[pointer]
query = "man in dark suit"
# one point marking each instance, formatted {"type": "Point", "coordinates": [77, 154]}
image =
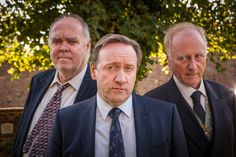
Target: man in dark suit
{"type": "Point", "coordinates": [69, 43]}
{"type": "Point", "coordinates": [115, 122]}
{"type": "Point", "coordinates": [209, 122]}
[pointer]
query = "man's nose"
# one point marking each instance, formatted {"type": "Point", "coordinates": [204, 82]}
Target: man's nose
{"type": "Point", "coordinates": [64, 47]}
{"type": "Point", "coordinates": [193, 64]}
{"type": "Point", "coordinates": [120, 77]}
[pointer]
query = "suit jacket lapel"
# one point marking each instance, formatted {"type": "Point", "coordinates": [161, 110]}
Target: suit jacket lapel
{"type": "Point", "coordinates": [87, 85]}
{"type": "Point", "coordinates": [218, 114]}
{"type": "Point", "coordinates": [87, 127]}
{"type": "Point", "coordinates": [141, 126]}
{"type": "Point", "coordinates": [41, 88]}
{"type": "Point", "coordinates": [41, 85]}
{"type": "Point", "coordinates": [191, 126]}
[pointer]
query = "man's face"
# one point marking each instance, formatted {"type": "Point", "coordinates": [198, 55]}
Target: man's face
{"type": "Point", "coordinates": [187, 58]}
{"type": "Point", "coordinates": [115, 72]}
{"type": "Point", "coordinates": [69, 49]}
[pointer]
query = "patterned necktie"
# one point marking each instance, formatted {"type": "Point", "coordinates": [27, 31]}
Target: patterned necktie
{"type": "Point", "coordinates": [197, 107]}
{"type": "Point", "coordinates": [116, 145]}
{"type": "Point", "coordinates": [38, 138]}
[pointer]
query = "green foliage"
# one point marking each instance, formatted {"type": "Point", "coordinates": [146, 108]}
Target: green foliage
{"type": "Point", "coordinates": [24, 27]}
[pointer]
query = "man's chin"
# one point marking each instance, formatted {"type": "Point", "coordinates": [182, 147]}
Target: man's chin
{"type": "Point", "coordinates": [64, 67]}
{"type": "Point", "coordinates": [118, 101]}
{"type": "Point", "coordinates": [193, 84]}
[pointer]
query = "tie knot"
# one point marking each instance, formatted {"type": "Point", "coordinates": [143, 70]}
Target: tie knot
{"type": "Point", "coordinates": [196, 96]}
{"type": "Point", "coordinates": [61, 87]}
{"type": "Point", "coordinates": [115, 112]}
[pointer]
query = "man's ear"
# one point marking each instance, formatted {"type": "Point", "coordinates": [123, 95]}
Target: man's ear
{"type": "Point", "coordinates": [88, 46]}
{"type": "Point", "coordinates": [93, 71]}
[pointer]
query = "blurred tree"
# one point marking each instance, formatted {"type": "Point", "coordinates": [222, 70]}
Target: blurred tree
{"type": "Point", "coordinates": [25, 23]}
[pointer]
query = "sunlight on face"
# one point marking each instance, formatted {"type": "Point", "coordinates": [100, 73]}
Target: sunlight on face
{"type": "Point", "coordinates": [115, 72]}
{"type": "Point", "coordinates": [69, 49]}
{"type": "Point", "coordinates": [187, 59]}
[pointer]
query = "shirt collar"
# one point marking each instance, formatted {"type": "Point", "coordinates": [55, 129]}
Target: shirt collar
{"type": "Point", "coordinates": [187, 90]}
{"type": "Point", "coordinates": [104, 108]}
{"type": "Point", "coordinates": [75, 82]}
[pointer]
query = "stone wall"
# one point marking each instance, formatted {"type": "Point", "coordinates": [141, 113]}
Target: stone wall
{"type": "Point", "coordinates": [13, 92]}
{"type": "Point", "coordinates": [158, 77]}
{"type": "Point", "coordinates": [9, 118]}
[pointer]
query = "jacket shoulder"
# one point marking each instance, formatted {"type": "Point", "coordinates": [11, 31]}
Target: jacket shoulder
{"type": "Point", "coordinates": [158, 91]}
{"type": "Point", "coordinates": [155, 103]}
{"type": "Point", "coordinates": [45, 73]}
{"type": "Point", "coordinates": [78, 107]}
{"type": "Point", "coordinates": [219, 88]}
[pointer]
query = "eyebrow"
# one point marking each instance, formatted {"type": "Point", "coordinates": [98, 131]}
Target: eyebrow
{"type": "Point", "coordinates": [71, 38]}
{"type": "Point", "coordinates": [118, 64]}
{"type": "Point", "coordinates": [68, 38]}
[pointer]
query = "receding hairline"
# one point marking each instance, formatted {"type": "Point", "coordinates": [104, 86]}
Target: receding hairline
{"type": "Point", "coordinates": [180, 27]}
{"type": "Point", "coordinates": [187, 32]}
{"type": "Point", "coordinates": [79, 19]}
{"type": "Point", "coordinates": [60, 20]}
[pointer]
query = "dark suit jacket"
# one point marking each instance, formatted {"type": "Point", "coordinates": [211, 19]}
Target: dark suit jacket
{"type": "Point", "coordinates": [38, 87]}
{"type": "Point", "coordinates": [222, 103]}
{"type": "Point", "coordinates": [157, 124]}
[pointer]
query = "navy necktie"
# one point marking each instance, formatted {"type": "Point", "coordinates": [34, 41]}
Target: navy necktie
{"type": "Point", "coordinates": [197, 107]}
{"type": "Point", "coordinates": [116, 145]}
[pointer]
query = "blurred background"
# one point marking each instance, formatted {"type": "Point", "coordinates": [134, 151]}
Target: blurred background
{"type": "Point", "coordinates": [24, 31]}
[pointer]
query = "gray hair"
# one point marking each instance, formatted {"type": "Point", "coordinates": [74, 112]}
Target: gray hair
{"type": "Point", "coordinates": [173, 30]}
{"type": "Point", "coordinates": [116, 38]}
{"type": "Point", "coordinates": [76, 17]}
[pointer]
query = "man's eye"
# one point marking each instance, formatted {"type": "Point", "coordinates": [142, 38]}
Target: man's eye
{"type": "Point", "coordinates": [56, 41]}
{"type": "Point", "coordinates": [73, 42]}
{"type": "Point", "coordinates": [129, 69]}
{"type": "Point", "coordinates": [110, 67]}
{"type": "Point", "coordinates": [199, 57]}
{"type": "Point", "coordinates": [182, 58]}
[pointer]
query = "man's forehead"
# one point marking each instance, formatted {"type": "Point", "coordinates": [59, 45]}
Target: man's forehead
{"type": "Point", "coordinates": [66, 32]}
{"type": "Point", "coordinates": [121, 60]}
{"type": "Point", "coordinates": [187, 34]}
{"type": "Point", "coordinates": [69, 24]}
{"type": "Point", "coordinates": [67, 20]}
{"type": "Point", "coordinates": [64, 35]}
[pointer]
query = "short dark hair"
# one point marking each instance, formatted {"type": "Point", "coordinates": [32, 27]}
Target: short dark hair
{"type": "Point", "coordinates": [116, 38]}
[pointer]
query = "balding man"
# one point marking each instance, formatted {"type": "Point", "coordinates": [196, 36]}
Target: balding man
{"type": "Point", "coordinates": [206, 108]}
{"type": "Point", "coordinates": [69, 82]}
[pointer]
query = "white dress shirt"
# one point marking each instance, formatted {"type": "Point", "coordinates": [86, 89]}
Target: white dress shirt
{"type": "Point", "coordinates": [68, 96]}
{"type": "Point", "coordinates": [187, 91]}
{"type": "Point", "coordinates": [103, 123]}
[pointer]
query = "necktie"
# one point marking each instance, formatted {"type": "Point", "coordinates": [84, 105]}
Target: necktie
{"type": "Point", "coordinates": [197, 107]}
{"type": "Point", "coordinates": [116, 146]}
{"type": "Point", "coordinates": [38, 138]}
